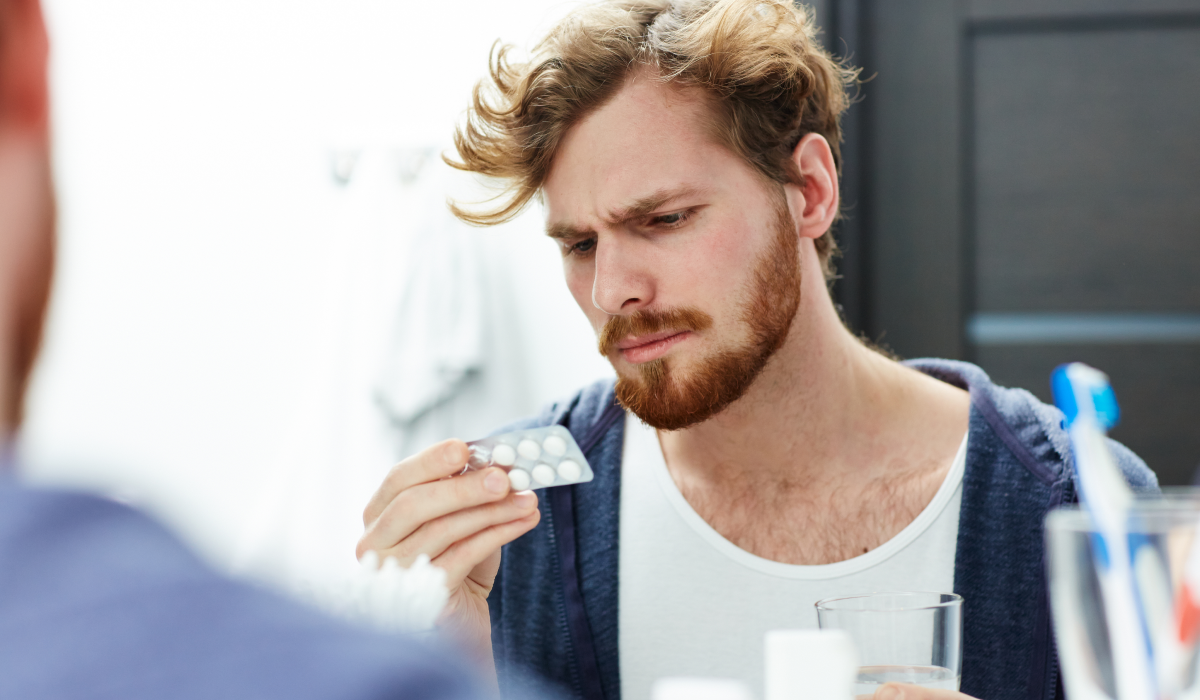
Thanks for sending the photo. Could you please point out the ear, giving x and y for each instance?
(814, 204)
(24, 51)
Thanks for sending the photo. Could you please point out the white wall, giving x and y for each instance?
(221, 301)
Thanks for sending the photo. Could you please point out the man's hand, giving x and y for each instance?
(906, 691)
(461, 523)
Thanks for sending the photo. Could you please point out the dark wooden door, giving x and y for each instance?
(1023, 189)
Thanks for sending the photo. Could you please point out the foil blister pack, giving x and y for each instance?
(535, 458)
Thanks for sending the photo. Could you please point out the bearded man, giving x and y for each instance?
(753, 456)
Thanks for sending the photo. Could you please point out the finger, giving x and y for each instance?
(433, 463)
(415, 506)
(436, 536)
(908, 691)
(461, 558)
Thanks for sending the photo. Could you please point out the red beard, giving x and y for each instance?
(670, 400)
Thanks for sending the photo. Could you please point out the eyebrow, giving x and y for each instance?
(650, 203)
(634, 210)
(563, 232)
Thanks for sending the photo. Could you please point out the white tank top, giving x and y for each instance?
(692, 603)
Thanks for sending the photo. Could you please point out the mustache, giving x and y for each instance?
(646, 321)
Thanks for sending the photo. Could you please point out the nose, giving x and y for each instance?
(623, 282)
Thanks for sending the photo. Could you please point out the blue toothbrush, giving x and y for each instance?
(1086, 398)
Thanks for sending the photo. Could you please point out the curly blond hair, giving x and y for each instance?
(770, 83)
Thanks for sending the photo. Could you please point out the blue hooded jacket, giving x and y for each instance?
(554, 605)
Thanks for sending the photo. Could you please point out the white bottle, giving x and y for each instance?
(698, 689)
(810, 665)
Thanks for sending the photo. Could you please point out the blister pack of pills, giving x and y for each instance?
(534, 458)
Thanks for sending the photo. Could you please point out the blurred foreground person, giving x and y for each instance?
(96, 600)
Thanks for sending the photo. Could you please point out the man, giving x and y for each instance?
(753, 456)
(96, 600)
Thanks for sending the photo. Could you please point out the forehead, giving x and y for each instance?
(650, 137)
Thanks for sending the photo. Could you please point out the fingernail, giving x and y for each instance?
(889, 692)
(496, 482)
(453, 454)
(525, 499)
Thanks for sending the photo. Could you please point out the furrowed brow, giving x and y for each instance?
(638, 208)
(565, 232)
(651, 203)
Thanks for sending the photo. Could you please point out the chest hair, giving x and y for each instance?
(811, 522)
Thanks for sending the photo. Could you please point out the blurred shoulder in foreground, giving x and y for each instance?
(99, 601)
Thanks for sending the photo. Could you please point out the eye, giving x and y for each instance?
(672, 220)
(582, 248)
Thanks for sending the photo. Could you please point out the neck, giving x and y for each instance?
(825, 407)
(26, 260)
(8, 459)
(8, 427)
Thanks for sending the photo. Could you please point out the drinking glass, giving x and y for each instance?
(911, 637)
(1161, 531)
